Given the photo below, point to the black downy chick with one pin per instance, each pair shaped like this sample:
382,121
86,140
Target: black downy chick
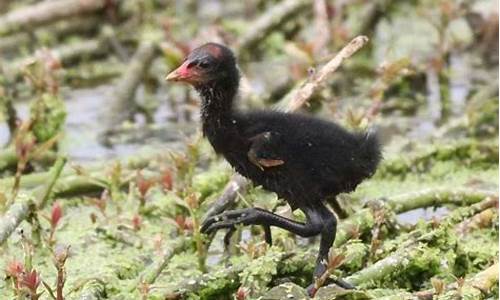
304,160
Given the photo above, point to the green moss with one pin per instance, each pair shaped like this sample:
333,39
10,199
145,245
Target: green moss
259,272
477,251
220,288
211,181
48,114
357,254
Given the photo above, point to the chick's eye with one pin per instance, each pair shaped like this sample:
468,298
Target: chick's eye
203,64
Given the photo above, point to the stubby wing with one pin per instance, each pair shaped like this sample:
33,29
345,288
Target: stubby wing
262,152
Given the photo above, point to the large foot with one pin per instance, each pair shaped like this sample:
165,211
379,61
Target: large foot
232,218
227,220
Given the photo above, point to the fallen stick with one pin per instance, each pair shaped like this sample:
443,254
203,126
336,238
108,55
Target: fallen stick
92,73
44,12
437,197
133,162
9,158
237,184
151,273
15,214
298,97
122,102
21,208
66,54
483,219
59,30
477,287
272,19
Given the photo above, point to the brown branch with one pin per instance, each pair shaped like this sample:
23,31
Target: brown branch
299,96
44,12
483,219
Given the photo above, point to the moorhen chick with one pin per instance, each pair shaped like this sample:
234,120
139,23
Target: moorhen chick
304,160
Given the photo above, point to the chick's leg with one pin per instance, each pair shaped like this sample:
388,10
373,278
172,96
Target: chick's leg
257,216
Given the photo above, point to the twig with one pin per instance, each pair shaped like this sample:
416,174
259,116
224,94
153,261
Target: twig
149,275
437,197
237,184
480,220
275,17
66,54
298,97
16,213
133,162
21,209
45,191
230,278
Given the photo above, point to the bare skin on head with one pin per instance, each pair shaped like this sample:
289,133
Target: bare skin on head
304,160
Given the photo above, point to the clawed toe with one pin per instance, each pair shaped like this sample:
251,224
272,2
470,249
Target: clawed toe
343,284
225,220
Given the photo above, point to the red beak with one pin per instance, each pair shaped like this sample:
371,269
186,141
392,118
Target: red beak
182,73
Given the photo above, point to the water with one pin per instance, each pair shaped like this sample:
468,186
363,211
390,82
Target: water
87,109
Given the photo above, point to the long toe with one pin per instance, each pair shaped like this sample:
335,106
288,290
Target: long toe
207,222
344,284
219,225
228,216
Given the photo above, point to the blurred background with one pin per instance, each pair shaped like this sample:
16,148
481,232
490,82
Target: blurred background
82,87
